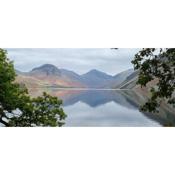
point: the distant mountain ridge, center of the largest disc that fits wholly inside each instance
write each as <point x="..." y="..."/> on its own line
<point x="50" y="76"/>
<point x="96" y="79"/>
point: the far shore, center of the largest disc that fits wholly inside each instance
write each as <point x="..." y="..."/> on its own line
<point x="83" y="89"/>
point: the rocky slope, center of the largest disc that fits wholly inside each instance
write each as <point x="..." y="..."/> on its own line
<point x="120" y="78"/>
<point x="130" y="81"/>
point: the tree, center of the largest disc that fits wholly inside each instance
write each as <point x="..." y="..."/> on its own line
<point x="17" y="108"/>
<point x="157" y="64"/>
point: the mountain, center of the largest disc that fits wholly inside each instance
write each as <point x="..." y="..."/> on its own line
<point x="96" y="79"/>
<point x="49" y="75"/>
<point x="45" y="70"/>
<point x="120" y="78"/>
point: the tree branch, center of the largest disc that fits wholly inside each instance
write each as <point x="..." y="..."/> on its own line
<point x="3" y="122"/>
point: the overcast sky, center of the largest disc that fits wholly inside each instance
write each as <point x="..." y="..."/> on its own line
<point x="78" y="60"/>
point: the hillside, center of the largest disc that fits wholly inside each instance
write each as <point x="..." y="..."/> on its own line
<point x="30" y="82"/>
<point x="120" y="78"/>
<point x="130" y="81"/>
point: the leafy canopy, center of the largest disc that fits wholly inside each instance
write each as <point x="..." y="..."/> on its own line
<point x="17" y="108"/>
<point x="157" y="64"/>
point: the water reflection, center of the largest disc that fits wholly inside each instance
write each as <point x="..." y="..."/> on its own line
<point x="106" y="108"/>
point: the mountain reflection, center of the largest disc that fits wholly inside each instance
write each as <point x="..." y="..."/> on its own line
<point x="93" y="98"/>
<point x="97" y="98"/>
<point x="127" y="99"/>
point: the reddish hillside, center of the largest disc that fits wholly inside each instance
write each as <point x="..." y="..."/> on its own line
<point x="47" y="75"/>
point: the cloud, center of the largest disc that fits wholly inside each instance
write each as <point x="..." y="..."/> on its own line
<point x="79" y="60"/>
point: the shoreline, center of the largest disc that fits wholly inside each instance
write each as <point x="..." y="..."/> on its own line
<point x="83" y="89"/>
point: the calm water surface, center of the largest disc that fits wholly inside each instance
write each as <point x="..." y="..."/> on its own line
<point x="102" y="108"/>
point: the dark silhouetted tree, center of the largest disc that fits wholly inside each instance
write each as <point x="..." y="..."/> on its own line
<point x="157" y="64"/>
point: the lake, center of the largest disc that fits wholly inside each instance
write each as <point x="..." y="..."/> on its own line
<point x="90" y="107"/>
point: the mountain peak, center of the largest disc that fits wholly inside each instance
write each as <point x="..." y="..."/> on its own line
<point x="95" y="78"/>
<point x="46" y="66"/>
<point x="94" y="71"/>
<point x="47" y="69"/>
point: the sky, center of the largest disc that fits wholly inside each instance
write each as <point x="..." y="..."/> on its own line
<point x="80" y="60"/>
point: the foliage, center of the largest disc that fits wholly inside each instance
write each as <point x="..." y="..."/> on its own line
<point x="17" y="108"/>
<point x="157" y="64"/>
